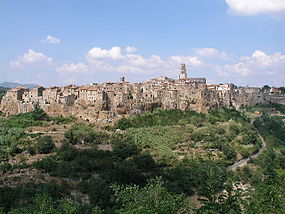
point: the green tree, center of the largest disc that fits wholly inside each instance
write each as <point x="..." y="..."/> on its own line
<point x="211" y="179"/>
<point x="80" y="133"/>
<point x="67" y="206"/>
<point x="282" y="89"/>
<point x="152" y="199"/>
<point x="45" y="145"/>
<point x="125" y="149"/>
<point x="96" y="210"/>
<point x="67" y="151"/>
<point x="266" y="88"/>
<point x="268" y="197"/>
<point x="44" y="204"/>
<point x="39" y="114"/>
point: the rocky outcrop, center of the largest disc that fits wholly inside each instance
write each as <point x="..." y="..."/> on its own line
<point x="104" y="102"/>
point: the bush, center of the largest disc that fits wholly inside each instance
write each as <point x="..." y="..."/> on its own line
<point x="31" y="150"/>
<point x="229" y="152"/>
<point x="47" y="164"/>
<point x="80" y="133"/>
<point x="5" y="167"/>
<point x="125" y="150"/>
<point x="67" y="152"/>
<point x="45" y="145"/>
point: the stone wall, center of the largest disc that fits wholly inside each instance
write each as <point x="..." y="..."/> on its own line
<point x="104" y="102"/>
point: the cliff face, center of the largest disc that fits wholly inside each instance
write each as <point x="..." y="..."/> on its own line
<point x="95" y="104"/>
<point x="104" y="102"/>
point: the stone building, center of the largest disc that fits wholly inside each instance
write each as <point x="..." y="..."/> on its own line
<point x="104" y="102"/>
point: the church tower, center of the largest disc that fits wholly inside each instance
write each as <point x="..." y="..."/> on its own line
<point x="183" y="74"/>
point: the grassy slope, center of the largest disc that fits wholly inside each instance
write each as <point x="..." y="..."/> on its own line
<point x="168" y="136"/>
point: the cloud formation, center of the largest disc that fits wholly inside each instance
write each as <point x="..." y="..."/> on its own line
<point x="123" y="60"/>
<point x="131" y="49"/>
<point x="258" y="64"/>
<point x="109" y="64"/>
<point x="72" y="68"/>
<point x="51" y="40"/>
<point x="99" y="53"/>
<point x="212" y="52"/>
<point x="255" y="7"/>
<point x="32" y="57"/>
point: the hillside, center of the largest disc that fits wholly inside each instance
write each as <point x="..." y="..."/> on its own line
<point x="178" y="161"/>
<point x="14" y="85"/>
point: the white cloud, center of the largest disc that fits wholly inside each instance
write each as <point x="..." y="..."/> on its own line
<point x="51" y="40"/>
<point x="16" y="64"/>
<point x="99" y="53"/>
<point x="239" y="68"/>
<point x="35" y="57"/>
<point x="72" y="68"/>
<point x="116" y="60"/>
<point x="32" y="57"/>
<point x="258" y="64"/>
<point x="131" y="49"/>
<point x="212" y="52"/>
<point x="190" y="60"/>
<point x="255" y="7"/>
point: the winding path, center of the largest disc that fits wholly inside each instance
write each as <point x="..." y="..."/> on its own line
<point x="244" y="161"/>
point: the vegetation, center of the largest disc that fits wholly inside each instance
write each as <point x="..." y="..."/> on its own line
<point x="162" y="162"/>
<point x="44" y="145"/>
<point x="3" y="91"/>
<point x="152" y="198"/>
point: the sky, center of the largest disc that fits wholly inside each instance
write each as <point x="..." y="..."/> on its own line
<point x="60" y="42"/>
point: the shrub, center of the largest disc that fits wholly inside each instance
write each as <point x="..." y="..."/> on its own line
<point x="67" y="152"/>
<point x="45" y="145"/>
<point x="124" y="149"/>
<point x="80" y="133"/>
<point x="47" y="164"/>
<point x="31" y="150"/>
<point x="4" y="167"/>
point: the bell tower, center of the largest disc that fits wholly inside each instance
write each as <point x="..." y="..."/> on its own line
<point x="183" y="73"/>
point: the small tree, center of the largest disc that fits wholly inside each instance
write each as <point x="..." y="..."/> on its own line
<point x="80" y="133"/>
<point x="153" y="198"/>
<point x="45" y="145"/>
<point x="266" y="88"/>
<point x="38" y="113"/>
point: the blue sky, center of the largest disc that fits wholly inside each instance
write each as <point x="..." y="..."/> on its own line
<point x="52" y="42"/>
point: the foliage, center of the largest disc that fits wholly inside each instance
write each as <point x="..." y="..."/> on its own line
<point x="158" y="117"/>
<point x="153" y="198"/>
<point x="12" y="197"/>
<point x="125" y="150"/>
<point x="67" y="151"/>
<point x="34" y="118"/>
<point x="44" y="145"/>
<point x="268" y="197"/>
<point x="282" y="89"/>
<point x="211" y="179"/>
<point x="80" y="133"/>
<point x="44" y="204"/>
<point x="271" y="127"/>
<point x="3" y="91"/>
<point x="266" y="88"/>
<point x="229" y="202"/>
<point x="162" y="143"/>
<point x="63" y="120"/>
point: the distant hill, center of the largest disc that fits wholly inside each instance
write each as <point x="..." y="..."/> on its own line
<point x="14" y="85"/>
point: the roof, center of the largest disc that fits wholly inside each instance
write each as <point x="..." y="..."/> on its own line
<point x="19" y="88"/>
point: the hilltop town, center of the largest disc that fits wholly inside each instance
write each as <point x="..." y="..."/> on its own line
<point x="104" y="102"/>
